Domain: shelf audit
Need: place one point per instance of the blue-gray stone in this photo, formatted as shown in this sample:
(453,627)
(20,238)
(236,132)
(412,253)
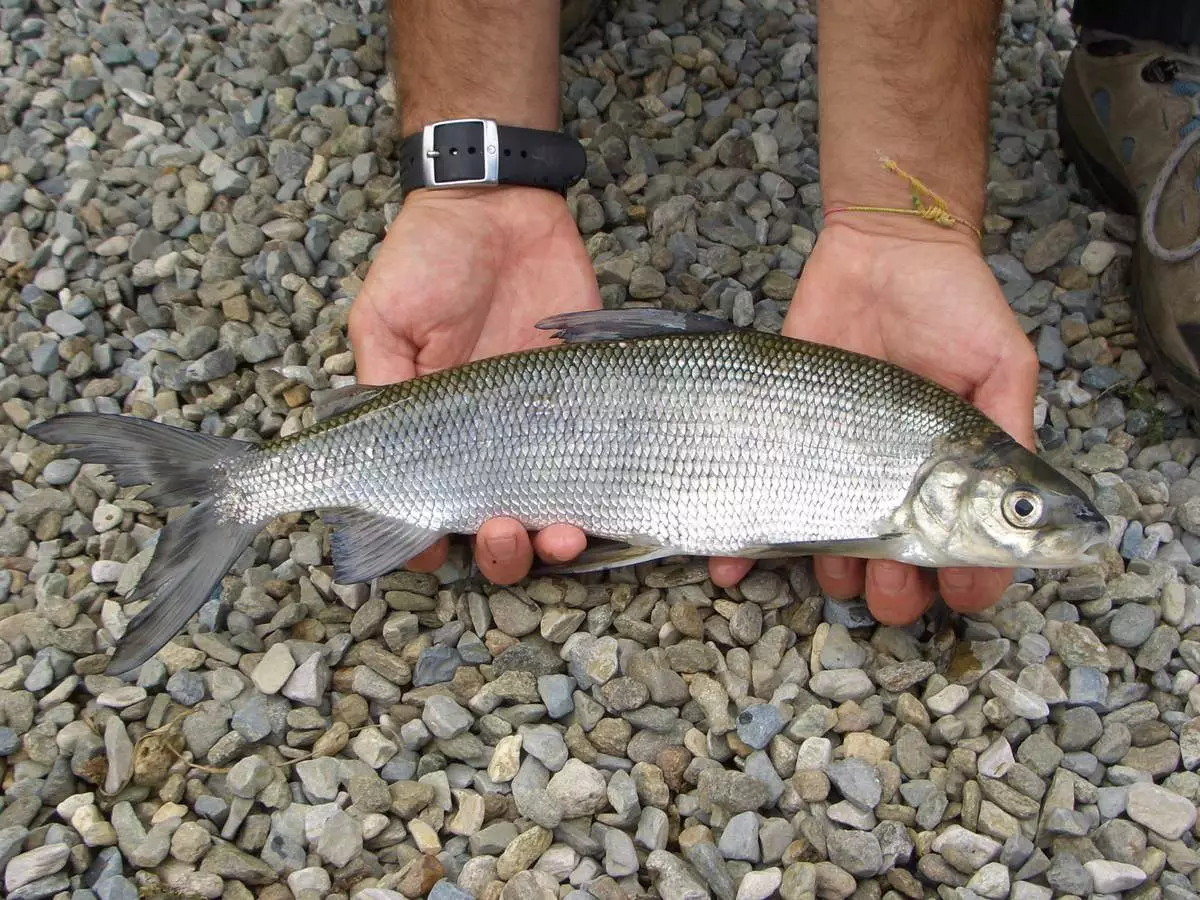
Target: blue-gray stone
(42,888)
(310,97)
(317,240)
(116,55)
(261,716)
(282,853)
(473,651)
(757,724)
(107,864)
(401,767)
(10,741)
(211,807)
(1087,687)
(1133,622)
(856,780)
(556,692)
(436,665)
(116,888)
(1137,422)
(186,688)
(851,613)
(1051,350)
(1101,377)
(448,890)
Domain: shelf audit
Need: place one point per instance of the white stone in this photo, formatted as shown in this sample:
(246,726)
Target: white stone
(107,516)
(948,699)
(996,760)
(1096,256)
(760,885)
(107,571)
(506,759)
(1021,701)
(314,878)
(1110,877)
(814,753)
(274,669)
(1160,810)
(29,867)
(991,881)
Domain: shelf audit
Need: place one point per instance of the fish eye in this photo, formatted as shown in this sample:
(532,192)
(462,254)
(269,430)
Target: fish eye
(1023,508)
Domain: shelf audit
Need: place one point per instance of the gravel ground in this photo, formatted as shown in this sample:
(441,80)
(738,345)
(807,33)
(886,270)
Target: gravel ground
(190,194)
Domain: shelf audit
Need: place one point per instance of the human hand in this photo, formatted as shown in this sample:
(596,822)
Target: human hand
(464,275)
(924,299)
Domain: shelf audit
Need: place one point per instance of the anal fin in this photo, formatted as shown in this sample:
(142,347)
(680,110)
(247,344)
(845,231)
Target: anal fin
(366,545)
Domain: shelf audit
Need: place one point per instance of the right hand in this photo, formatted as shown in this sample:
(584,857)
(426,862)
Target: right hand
(464,274)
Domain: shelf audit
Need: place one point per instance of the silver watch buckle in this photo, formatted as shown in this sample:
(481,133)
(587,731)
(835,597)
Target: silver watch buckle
(490,148)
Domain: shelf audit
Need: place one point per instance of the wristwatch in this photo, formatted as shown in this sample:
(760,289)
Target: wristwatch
(474,152)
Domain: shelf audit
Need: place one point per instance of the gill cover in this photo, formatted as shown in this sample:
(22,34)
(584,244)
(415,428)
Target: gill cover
(989,501)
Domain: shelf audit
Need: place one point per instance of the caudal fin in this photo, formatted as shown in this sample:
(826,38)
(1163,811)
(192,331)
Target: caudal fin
(195,550)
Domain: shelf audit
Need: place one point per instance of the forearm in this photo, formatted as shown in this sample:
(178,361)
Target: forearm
(489,58)
(908,81)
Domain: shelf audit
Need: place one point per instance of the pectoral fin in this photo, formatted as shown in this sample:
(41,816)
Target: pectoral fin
(885,546)
(608,556)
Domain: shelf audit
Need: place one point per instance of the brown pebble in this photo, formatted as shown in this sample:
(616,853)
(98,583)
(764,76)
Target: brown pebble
(420,875)
(674,762)
(351,709)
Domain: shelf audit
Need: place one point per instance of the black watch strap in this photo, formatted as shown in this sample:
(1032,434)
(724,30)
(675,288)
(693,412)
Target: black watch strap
(472,152)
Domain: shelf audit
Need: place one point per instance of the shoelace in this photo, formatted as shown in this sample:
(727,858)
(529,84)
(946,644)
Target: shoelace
(1182,85)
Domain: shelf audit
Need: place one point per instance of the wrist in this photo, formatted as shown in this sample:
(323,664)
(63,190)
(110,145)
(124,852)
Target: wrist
(895,228)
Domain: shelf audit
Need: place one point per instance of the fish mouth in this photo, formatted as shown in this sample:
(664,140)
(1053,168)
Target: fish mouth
(1087,555)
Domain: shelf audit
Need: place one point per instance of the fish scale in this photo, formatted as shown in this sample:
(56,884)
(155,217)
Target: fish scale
(705,444)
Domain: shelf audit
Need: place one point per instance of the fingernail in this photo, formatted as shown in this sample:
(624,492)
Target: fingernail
(890,576)
(501,547)
(957,579)
(836,567)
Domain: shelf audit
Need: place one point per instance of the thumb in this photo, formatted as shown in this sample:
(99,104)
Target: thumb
(1007,394)
(381,355)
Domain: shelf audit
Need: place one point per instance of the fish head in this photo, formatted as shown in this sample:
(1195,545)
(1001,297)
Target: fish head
(989,501)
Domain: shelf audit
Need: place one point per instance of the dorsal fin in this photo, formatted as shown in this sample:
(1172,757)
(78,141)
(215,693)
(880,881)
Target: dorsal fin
(626,324)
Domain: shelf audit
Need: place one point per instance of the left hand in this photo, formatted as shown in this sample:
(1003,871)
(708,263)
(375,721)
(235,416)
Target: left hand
(923,298)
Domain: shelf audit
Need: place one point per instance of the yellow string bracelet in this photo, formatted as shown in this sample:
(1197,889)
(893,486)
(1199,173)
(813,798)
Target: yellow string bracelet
(936,212)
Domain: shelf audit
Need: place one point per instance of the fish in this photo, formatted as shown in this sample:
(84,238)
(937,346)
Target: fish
(658,433)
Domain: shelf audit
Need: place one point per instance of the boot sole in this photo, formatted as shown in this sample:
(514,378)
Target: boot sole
(1111,192)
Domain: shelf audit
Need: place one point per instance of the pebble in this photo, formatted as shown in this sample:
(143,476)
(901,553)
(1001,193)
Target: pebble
(1160,810)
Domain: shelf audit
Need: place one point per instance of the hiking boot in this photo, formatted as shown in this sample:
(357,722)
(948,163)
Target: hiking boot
(1129,118)
(575,18)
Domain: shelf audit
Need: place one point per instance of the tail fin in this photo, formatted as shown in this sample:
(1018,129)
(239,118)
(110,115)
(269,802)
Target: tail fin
(177,464)
(195,550)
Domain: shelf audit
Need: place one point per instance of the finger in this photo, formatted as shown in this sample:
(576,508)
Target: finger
(726,571)
(972,590)
(559,543)
(841,577)
(431,558)
(1007,394)
(380,355)
(897,594)
(503,550)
